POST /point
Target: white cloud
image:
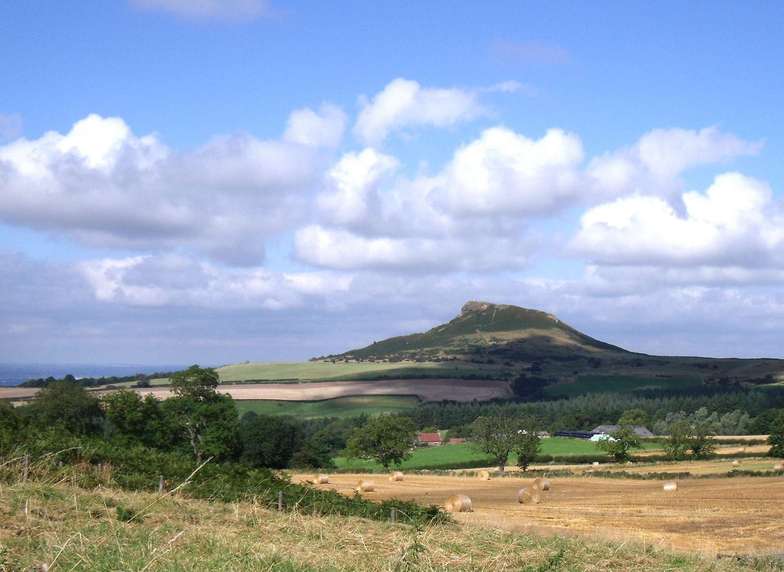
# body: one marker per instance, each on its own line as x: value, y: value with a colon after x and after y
x: 343, y: 250
x: 403, y: 104
x: 503, y: 172
x: 352, y: 185
x: 179, y: 281
x: 208, y: 9
x: 319, y: 129
x: 654, y: 163
x: 734, y: 223
x: 103, y: 185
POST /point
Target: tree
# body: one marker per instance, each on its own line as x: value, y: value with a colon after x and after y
x: 268, y: 440
x: 528, y: 443
x: 208, y: 419
x: 776, y: 437
x: 497, y: 436
x: 677, y: 444
x: 701, y: 438
x: 131, y: 418
x: 387, y: 439
x: 634, y: 417
x: 68, y: 406
x: 619, y: 444
x: 10, y: 425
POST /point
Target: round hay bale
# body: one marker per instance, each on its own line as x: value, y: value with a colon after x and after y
x: 595, y: 464
x: 364, y: 486
x: 541, y: 484
x: 736, y: 463
x: 526, y: 496
x: 670, y: 486
x: 396, y: 476
x: 484, y: 475
x: 459, y: 503
x: 322, y: 480
x: 778, y: 467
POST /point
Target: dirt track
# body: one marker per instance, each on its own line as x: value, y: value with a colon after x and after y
x: 722, y: 515
x: 425, y: 389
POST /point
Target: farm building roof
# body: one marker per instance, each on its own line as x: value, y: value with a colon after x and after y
x: 639, y: 430
x: 429, y: 438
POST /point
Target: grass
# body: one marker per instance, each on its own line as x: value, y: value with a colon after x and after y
x: 328, y: 371
x: 440, y: 457
x: 340, y: 407
x: 619, y: 384
x: 73, y: 529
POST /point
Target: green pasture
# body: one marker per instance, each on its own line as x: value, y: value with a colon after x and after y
x: 340, y: 407
x: 619, y: 384
x: 457, y: 455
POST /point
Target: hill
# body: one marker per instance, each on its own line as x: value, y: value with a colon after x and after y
x: 523, y: 340
x: 482, y: 327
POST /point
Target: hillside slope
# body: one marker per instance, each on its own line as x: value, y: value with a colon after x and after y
x: 481, y: 327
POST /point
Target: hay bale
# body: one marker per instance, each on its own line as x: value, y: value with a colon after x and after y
x: 528, y: 496
x: 541, y: 484
x: 595, y: 464
x: 484, y: 475
x: 778, y: 467
x: 670, y: 486
x: 322, y: 480
x: 459, y: 503
x: 364, y: 486
x: 396, y: 476
x: 736, y: 463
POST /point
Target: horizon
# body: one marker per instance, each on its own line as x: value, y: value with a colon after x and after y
x: 274, y: 181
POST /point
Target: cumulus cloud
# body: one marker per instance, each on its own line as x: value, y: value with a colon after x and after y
x: 735, y: 222
x: 322, y: 128
x: 404, y: 104
x: 172, y: 280
x: 208, y: 9
x: 505, y: 172
x: 103, y: 185
x: 654, y: 163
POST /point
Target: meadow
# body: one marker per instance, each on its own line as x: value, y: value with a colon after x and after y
x: 462, y: 455
x: 340, y: 407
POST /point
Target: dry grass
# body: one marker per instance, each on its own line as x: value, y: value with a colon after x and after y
x: 73, y: 529
x: 741, y: 515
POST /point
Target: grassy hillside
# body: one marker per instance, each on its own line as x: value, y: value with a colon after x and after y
x: 72, y: 529
x: 620, y: 384
x: 341, y: 407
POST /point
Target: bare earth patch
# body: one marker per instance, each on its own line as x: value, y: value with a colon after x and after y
x: 710, y: 516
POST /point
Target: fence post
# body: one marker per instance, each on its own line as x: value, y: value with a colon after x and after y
x: 280, y: 500
x: 25, y: 467
x: 393, y: 515
x: 160, y: 485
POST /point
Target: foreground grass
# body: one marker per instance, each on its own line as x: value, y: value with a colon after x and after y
x: 440, y: 457
x: 73, y: 529
x: 340, y: 407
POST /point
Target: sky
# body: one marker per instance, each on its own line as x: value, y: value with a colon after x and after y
x: 215, y: 181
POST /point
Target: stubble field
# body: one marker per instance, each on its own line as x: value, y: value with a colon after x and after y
x: 709, y: 516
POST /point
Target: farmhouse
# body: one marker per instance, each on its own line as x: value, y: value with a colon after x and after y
x: 429, y: 439
x: 638, y: 430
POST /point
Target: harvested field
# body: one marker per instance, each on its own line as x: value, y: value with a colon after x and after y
x: 711, y: 516
x: 425, y: 389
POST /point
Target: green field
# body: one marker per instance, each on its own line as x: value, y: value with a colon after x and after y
x: 442, y: 457
x: 619, y: 384
x: 340, y: 407
x: 328, y: 371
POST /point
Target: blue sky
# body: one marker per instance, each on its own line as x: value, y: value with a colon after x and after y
x: 186, y: 222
